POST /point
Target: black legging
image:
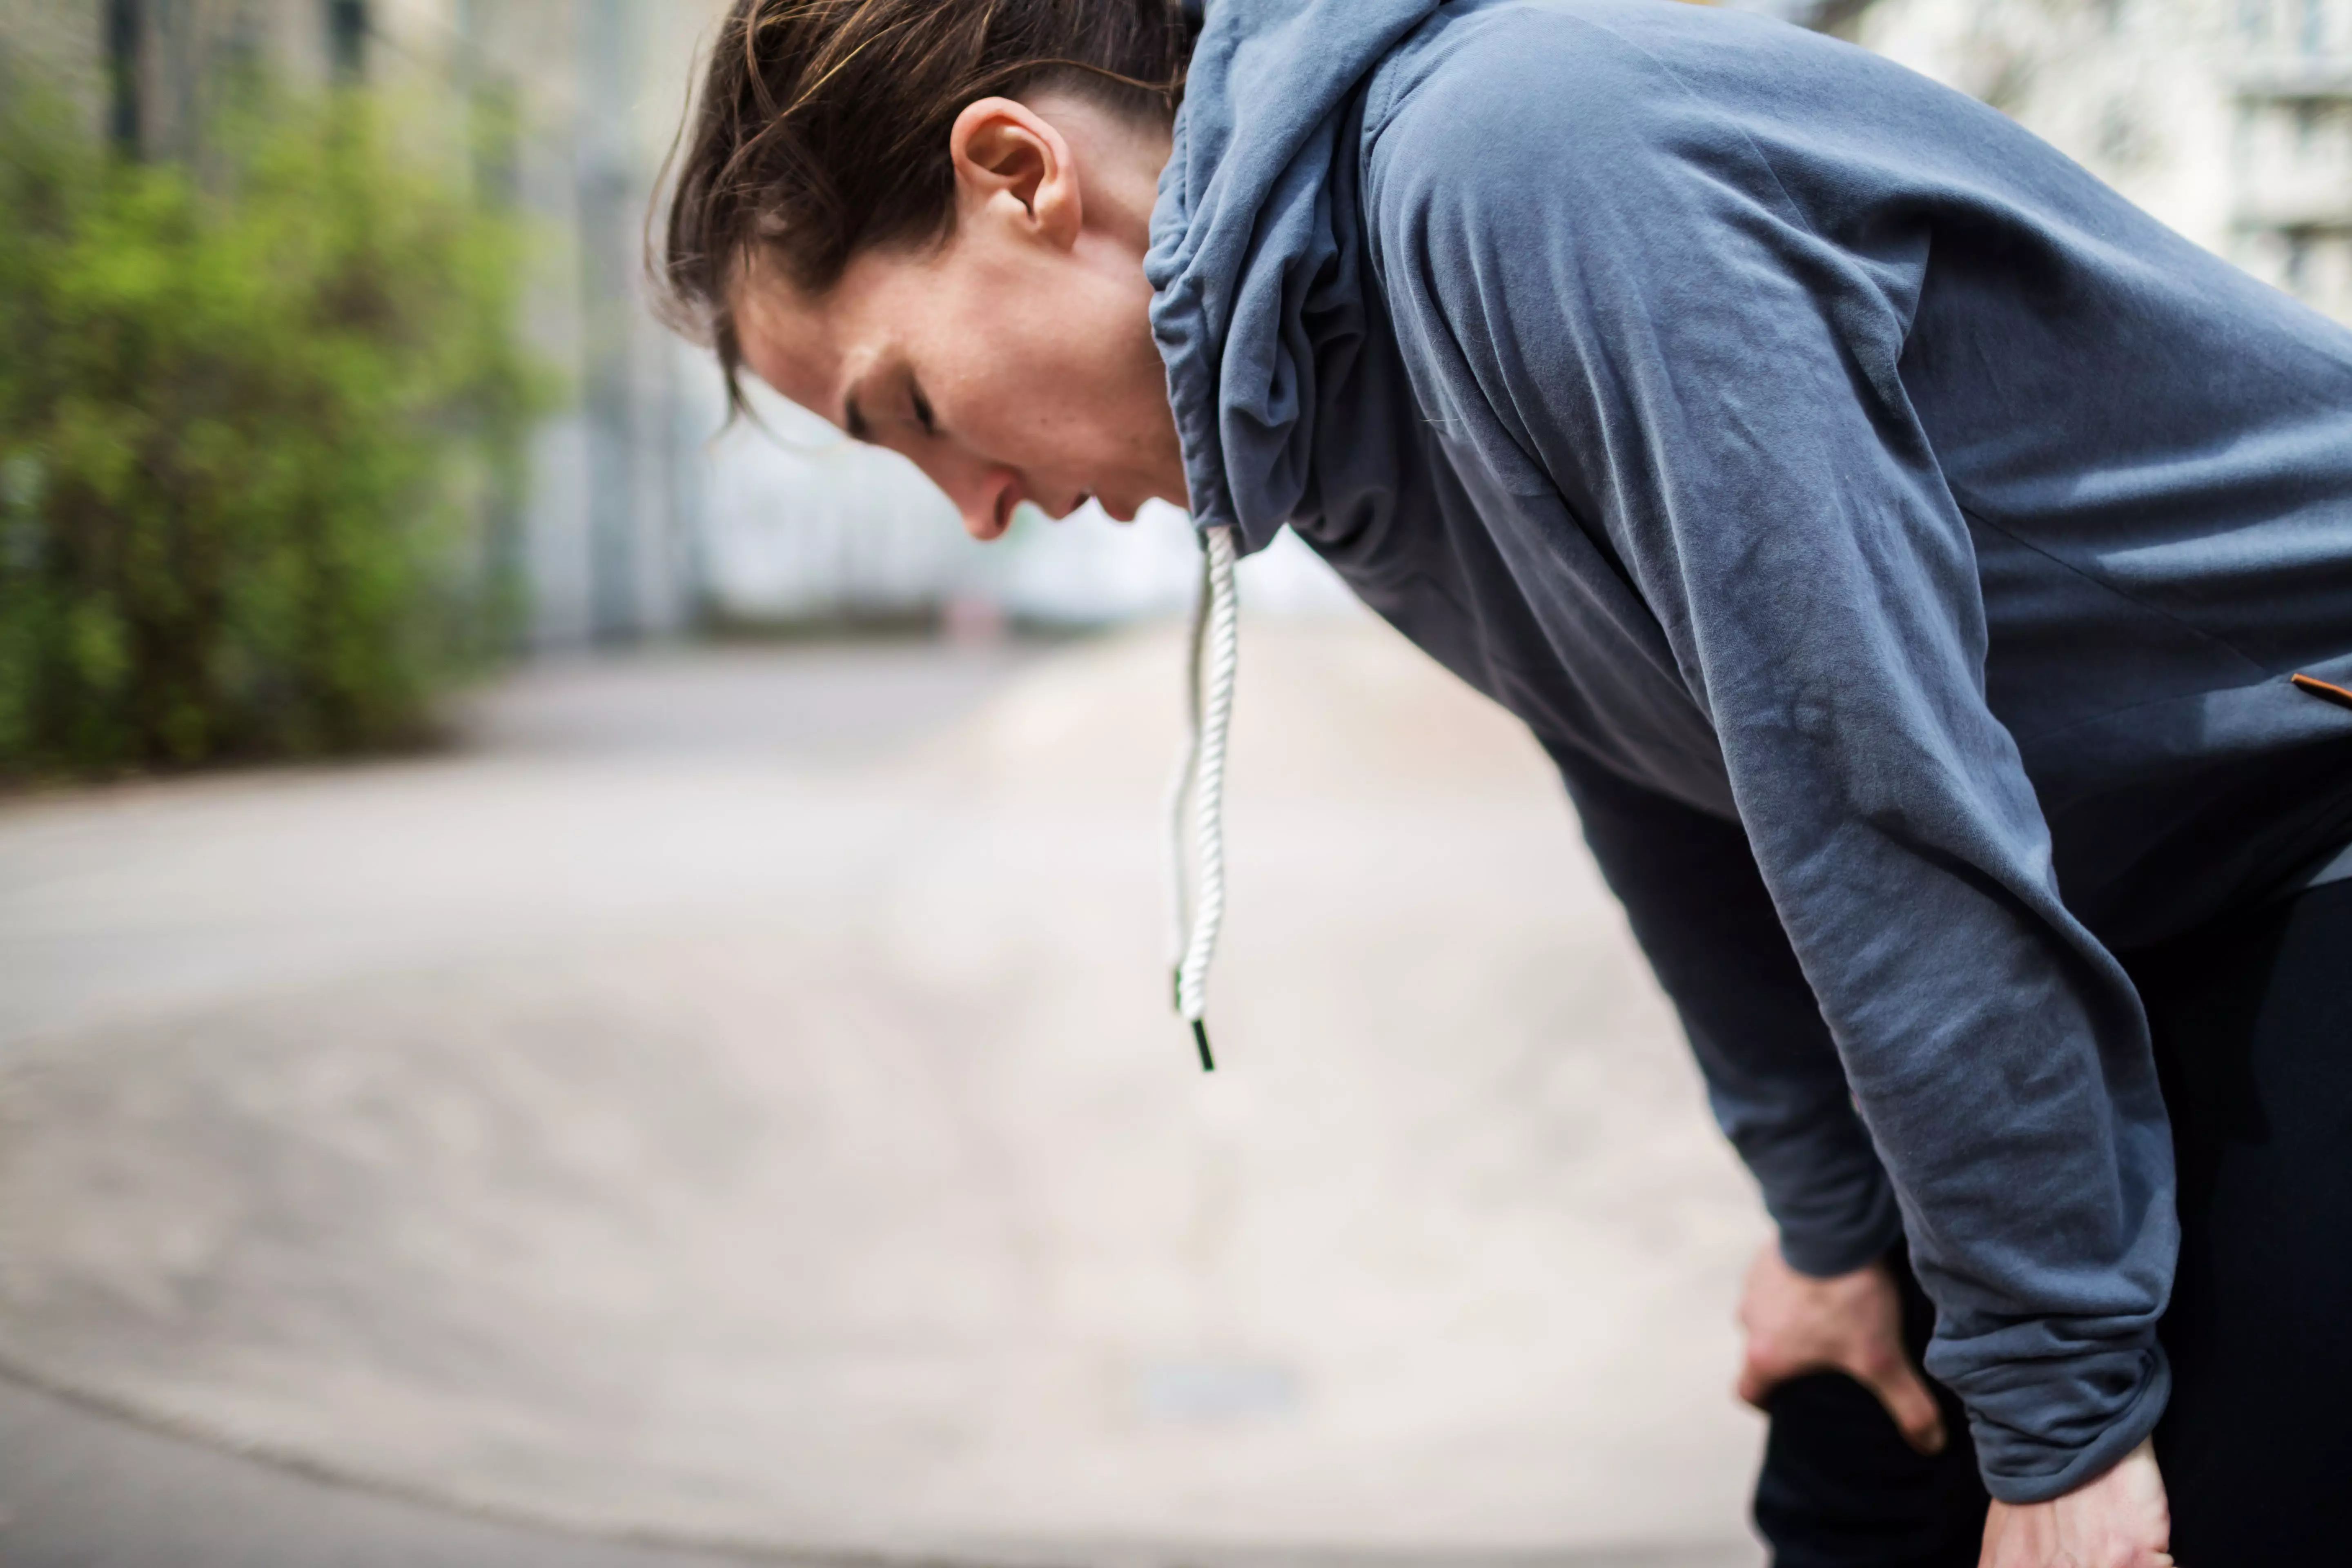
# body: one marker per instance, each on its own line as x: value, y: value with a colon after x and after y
x: 2252, y: 1024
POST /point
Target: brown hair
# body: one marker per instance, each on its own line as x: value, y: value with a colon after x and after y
x: 821, y: 127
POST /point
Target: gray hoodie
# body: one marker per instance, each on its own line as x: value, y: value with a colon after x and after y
x: 1903, y: 544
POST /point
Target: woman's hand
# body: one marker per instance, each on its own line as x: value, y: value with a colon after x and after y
x: 1851, y: 1323
x: 2119, y: 1520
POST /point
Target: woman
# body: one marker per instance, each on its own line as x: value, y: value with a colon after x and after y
x: 1932, y: 577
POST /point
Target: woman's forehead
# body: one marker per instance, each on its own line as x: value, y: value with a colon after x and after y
x: 792, y: 344
x: 810, y: 347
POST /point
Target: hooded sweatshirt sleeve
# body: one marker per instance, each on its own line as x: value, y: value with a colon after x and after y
x: 1773, y: 1080
x: 1623, y: 321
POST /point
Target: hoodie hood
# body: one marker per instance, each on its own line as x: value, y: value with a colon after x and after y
x: 1247, y: 245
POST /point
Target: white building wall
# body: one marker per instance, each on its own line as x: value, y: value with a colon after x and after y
x: 2230, y: 119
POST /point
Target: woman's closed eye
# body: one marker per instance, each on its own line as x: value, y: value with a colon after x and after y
x: 923, y: 416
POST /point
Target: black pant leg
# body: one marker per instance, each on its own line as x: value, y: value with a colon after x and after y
x: 1840, y: 1489
x: 2253, y: 1025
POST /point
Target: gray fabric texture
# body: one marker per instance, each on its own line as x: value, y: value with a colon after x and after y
x: 2335, y: 867
x: 1901, y: 542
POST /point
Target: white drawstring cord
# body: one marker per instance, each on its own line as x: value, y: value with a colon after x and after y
x: 1199, y: 789
x: 1179, y: 797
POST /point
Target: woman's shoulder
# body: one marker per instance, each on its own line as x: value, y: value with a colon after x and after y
x: 1509, y: 82
x: 1584, y: 107
x: 1519, y: 58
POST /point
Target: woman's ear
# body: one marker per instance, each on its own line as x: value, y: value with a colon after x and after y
x: 1011, y: 163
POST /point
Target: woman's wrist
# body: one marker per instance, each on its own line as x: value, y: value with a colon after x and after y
x: 2120, y: 1517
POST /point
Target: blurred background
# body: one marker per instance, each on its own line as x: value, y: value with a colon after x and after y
x: 580, y: 986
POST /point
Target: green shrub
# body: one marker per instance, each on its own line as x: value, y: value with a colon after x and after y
x: 256, y: 433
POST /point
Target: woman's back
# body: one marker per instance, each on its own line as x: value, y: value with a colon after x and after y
x: 1723, y: 290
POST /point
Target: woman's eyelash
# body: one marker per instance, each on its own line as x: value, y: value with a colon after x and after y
x: 923, y: 413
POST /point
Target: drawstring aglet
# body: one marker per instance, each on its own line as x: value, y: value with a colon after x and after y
x: 1201, y: 1038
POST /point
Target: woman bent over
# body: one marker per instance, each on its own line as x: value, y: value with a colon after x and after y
x: 1932, y: 576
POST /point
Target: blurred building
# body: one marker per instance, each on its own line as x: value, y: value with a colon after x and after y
x: 571, y: 104
x: 2230, y: 119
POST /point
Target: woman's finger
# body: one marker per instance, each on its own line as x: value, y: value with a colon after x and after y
x: 1906, y: 1399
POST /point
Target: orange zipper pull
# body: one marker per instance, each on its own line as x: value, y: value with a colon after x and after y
x: 2322, y: 690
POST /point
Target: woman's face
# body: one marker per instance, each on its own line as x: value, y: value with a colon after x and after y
x: 1014, y: 363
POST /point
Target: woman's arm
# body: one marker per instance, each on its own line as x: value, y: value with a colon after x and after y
x: 1699, y: 910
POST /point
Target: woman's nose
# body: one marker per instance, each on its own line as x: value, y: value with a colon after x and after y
x: 986, y: 497
x: 985, y: 493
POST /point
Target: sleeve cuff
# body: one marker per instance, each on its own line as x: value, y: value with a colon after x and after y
x: 2019, y: 1469
x: 1859, y: 1238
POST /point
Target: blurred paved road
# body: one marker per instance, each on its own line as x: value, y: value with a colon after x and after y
x: 80, y: 1490
x: 730, y: 1102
